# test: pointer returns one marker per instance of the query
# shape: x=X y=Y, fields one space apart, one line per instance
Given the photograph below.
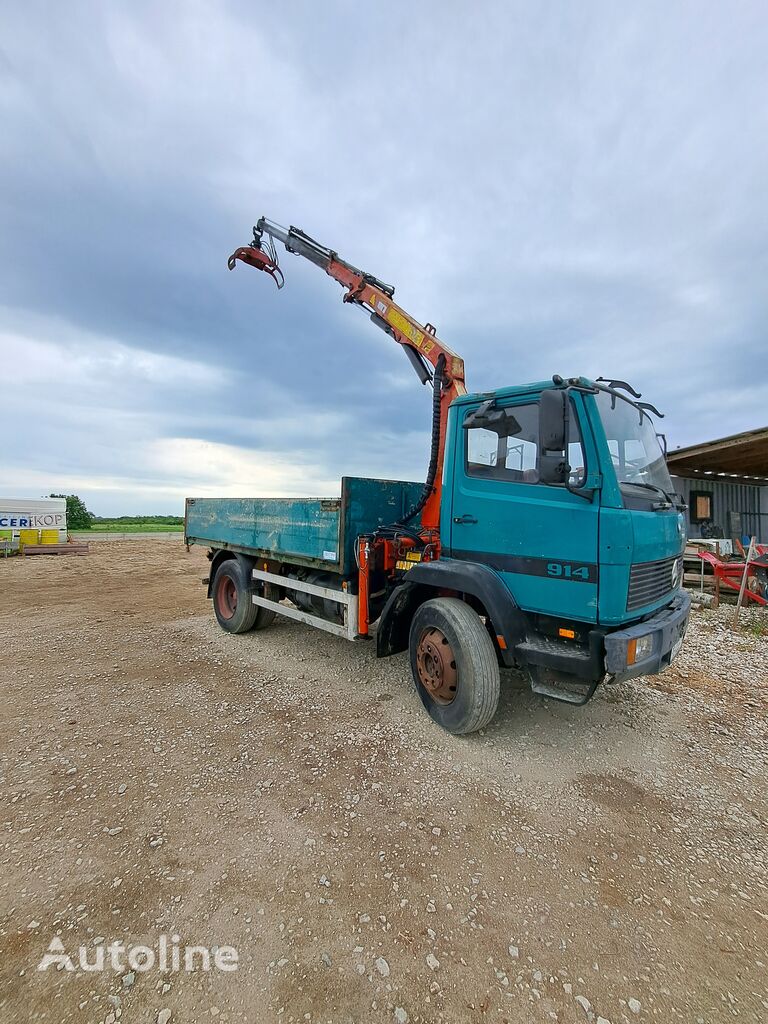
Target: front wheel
x=454 y=665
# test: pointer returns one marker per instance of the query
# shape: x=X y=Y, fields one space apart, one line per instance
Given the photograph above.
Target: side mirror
x=553 y=465
x=552 y=420
x=553 y=469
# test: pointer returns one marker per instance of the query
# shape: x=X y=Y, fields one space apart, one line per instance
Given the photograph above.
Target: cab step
x=561 y=671
x=577 y=692
x=575 y=661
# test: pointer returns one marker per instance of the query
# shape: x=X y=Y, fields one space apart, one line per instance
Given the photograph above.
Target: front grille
x=650 y=581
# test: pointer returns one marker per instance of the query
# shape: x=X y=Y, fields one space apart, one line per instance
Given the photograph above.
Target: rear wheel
x=235 y=611
x=265 y=616
x=454 y=665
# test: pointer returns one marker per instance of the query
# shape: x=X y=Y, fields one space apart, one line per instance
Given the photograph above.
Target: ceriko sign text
x=33 y=520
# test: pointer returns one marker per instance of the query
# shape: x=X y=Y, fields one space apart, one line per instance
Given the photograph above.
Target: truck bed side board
x=316 y=532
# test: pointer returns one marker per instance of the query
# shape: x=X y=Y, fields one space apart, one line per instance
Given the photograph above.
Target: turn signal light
x=569 y=634
x=639 y=648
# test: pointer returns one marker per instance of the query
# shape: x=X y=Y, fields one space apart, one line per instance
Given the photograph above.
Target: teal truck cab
x=590 y=553
x=550 y=540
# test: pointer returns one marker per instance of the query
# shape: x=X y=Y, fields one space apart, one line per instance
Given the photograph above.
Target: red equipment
x=394 y=549
x=260 y=260
x=730 y=574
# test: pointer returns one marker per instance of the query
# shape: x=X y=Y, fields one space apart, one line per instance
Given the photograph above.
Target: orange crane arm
x=420 y=341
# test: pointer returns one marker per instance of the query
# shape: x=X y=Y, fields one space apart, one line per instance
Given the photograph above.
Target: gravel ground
x=285 y=794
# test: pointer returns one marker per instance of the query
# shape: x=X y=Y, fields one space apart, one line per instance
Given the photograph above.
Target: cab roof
x=517 y=390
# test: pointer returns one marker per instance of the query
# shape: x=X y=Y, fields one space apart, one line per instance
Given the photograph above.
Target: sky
x=560 y=188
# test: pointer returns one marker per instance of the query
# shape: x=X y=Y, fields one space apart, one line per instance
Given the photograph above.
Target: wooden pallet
x=55 y=549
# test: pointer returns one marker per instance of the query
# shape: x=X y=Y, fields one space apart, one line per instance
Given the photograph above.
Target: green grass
x=116 y=526
x=757 y=627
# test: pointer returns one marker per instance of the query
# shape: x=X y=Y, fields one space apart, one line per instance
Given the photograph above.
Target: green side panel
x=317 y=532
x=304 y=527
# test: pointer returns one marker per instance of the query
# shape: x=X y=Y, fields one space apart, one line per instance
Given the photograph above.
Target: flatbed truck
x=546 y=538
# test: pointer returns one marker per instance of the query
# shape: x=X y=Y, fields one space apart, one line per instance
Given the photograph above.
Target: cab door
x=540 y=538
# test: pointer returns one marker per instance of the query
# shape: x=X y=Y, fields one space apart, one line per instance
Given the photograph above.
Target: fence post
x=750 y=556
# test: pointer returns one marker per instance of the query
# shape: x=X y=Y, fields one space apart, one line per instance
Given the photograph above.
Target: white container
x=34 y=514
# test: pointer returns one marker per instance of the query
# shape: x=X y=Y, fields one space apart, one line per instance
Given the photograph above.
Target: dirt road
x=285 y=794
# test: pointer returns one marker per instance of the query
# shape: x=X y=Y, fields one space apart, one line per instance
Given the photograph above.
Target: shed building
x=725 y=485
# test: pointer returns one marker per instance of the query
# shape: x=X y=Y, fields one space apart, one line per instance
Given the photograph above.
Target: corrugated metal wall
x=727 y=497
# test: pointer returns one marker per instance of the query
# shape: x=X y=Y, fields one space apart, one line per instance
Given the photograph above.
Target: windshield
x=635 y=449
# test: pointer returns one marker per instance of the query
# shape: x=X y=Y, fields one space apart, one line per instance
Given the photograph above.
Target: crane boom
x=420 y=341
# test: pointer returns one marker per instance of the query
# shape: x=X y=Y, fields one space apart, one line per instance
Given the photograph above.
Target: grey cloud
x=561 y=189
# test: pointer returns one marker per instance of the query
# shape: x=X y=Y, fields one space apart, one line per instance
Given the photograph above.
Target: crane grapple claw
x=259 y=259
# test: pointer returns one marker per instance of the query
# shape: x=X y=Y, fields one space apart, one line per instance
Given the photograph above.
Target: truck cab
x=563 y=491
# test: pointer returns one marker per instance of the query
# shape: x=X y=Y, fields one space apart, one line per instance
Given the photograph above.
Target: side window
x=516 y=458
x=482 y=447
x=506 y=458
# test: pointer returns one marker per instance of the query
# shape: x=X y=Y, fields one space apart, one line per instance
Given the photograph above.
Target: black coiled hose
x=437 y=384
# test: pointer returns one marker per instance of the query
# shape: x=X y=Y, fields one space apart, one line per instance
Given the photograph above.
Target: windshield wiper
x=658 y=490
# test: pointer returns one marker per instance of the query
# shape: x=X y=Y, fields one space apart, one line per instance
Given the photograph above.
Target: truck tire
x=265 y=616
x=231 y=592
x=454 y=665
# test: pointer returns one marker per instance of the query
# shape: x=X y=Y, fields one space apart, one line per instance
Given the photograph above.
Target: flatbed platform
x=313 y=532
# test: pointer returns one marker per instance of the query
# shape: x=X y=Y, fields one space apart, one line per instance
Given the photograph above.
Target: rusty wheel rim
x=436 y=666
x=226 y=597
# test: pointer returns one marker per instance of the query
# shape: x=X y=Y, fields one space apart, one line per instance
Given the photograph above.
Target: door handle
x=467 y=520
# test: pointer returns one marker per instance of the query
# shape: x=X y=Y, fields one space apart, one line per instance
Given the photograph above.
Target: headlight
x=639 y=649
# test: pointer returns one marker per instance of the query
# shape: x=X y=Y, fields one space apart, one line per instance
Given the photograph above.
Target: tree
x=78 y=516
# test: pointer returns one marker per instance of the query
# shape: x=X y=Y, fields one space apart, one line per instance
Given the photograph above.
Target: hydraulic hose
x=437 y=385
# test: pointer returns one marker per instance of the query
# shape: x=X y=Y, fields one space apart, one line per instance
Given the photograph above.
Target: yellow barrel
x=49 y=536
x=28 y=537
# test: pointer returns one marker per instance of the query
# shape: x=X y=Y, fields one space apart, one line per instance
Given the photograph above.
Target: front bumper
x=667 y=629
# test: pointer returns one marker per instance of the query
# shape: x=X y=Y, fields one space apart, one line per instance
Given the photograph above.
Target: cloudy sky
x=571 y=188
